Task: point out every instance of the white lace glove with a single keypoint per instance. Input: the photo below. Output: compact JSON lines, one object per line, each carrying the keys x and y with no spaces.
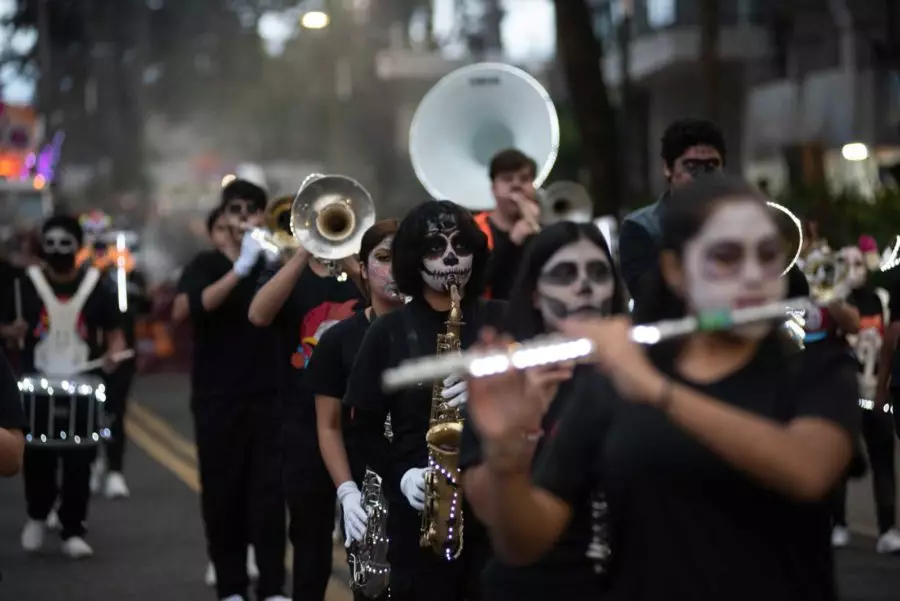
{"x":455,"y":392}
{"x":412,"y":485}
{"x":355,"y":518}
{"x":246,"y":261}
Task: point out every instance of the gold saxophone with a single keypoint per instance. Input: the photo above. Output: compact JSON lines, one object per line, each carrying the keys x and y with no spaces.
{"x":442,"y":518}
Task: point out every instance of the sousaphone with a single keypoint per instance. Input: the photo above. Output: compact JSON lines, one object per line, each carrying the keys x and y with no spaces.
{"x":469,"y":116}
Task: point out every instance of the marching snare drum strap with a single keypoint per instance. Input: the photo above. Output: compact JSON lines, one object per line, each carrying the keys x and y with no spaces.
{"x":63,"y":312}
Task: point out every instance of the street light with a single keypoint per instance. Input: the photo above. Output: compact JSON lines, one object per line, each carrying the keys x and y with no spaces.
{"x":315,"y":19}
{"x":855,"y":151}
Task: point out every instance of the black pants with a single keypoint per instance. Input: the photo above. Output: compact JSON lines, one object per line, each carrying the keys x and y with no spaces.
{"x":42,"y":488}
{"x":242,"y":499}
{"x":118,"y":388}
{"x":878,"y":436}
{"x":311,"y":500}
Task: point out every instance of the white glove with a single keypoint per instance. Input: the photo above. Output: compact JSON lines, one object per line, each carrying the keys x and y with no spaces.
{"x":412,"y":485}
{"x":355,"y":518}
{"x":455,"y":392}
{"x":246,"y":261}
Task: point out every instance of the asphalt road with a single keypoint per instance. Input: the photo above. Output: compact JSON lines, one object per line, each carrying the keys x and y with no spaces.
{"x":151,"y":546}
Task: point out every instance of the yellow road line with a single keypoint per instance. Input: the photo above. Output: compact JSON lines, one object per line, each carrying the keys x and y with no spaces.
{"x":141,"y":426}
{"x":157,"y":425}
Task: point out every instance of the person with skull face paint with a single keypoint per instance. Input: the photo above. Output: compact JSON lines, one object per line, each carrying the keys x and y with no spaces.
{"x":567,"y":270}
{"x":330,"y":368}
{"x":234,"y":401}
{"x":877,"y":425}
{"x":92,"y":315}
{"x":718,"y":450}
{"x":438,"y":243}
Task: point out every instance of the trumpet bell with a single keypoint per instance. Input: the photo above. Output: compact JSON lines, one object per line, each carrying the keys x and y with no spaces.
{"x":329,"y":216}
{"x":469,"y":116}
{"x":565,"y":201}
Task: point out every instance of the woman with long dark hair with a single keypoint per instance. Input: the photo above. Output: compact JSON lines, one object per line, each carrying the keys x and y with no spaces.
{"x":567,"y":271}
{"x":723,"y":448}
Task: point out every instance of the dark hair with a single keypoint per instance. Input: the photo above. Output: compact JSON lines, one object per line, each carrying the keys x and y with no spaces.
{"x":686,"y":133}
{"x":408,"y":248}
{"x":682,"y":216}
{"x":523,"y":320}
{"x":374,"y":236}
{"x":66,"y":222}
{"x":212,"y":218}
{"x":242,"y":189}
{"x":509,"y":160}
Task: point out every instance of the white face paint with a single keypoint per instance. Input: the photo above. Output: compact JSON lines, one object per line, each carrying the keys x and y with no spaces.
{"x":853,"y":264}
{"x":378,"y":271}
{"x":448,"y":259}
{"x":60,"y":242}
{"x":735,"y":261}
{"x":576,"y":280}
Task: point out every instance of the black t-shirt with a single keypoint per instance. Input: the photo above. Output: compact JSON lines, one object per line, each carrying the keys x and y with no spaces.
{"x":638,"y":258}
{"x":314,"y":305}
{"x":328,"y":372}
{"x":99,"y":315}
{"x":504,"y":263}
{"x":138,"y":303}
{"x":12,"y":416}
{"x":566,"y":571}
{"x":687,"y":525}
{"x":410,"y":331}
{"x":232,"y":357}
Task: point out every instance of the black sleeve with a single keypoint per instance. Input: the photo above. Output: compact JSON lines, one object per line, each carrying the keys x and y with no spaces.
{"x":503,"y":265}
{"x":12,"y":416}
{"x":828,"y":388}
{"x":569,"y":465}
{"x":199,"y":275}
{"x":894,"y":305}
{"x":638,"y":256}
{"x":325,"y":374}
{"x":469,"y":447}
{"x":109,"y":317}
{"x":293,"y":304}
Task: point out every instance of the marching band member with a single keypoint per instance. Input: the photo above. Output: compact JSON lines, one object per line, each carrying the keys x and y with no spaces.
{"x":301,"y":301}
{"x":13,"y":424}
{"x":567,"y":271}
{"x":221,"y":237}
{"x":512,"y":221}
{"x":689,"y":147}
{"x":330,"y":368}
{"x":437,"y":243}
{"x":877,"y":424}
{"x":85,"y":325}
{"x":720,"y":449}
{"x":234,"y":402}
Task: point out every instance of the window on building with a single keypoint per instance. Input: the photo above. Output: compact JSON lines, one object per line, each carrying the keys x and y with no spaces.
{"x":660,"y":13}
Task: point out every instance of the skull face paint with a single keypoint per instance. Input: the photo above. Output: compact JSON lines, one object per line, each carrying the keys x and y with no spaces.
{"x":447,"y":259}
{"x":576,"y":280}
{"x":735,"y":261}
{"x":854,"y":266}
{"x":378,"y":271}
{"x":60,"y":247}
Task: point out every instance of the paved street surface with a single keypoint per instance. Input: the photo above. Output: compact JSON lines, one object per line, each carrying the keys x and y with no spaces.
{"x":151,"y":547}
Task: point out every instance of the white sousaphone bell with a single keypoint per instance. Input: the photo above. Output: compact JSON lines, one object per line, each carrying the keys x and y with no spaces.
{"x":469,"y":116}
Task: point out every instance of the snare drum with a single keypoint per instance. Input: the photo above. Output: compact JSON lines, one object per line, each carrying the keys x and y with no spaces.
{"x":64,"y":412}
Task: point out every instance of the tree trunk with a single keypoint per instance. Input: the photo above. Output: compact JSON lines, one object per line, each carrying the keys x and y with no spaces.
{"x":709,"y":58}
{"x":581,"y":54}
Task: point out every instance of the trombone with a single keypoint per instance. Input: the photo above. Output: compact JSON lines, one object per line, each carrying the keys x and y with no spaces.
{"x":327,"y":217}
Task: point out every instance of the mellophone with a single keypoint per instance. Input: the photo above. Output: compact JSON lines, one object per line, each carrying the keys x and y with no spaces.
{"x":67,"y":411}
{"x":551,"y":349}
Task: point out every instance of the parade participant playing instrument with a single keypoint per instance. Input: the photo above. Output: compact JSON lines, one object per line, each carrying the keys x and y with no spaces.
{"x":71,"y":320}
{"x":235,"y":407}
{"x":327,"y":376}
{"x":567,"y":271}
{"x":222,"y":240}
{"x":721,"y":447}
{"x":513,"y":220}
{"x":438,"y":249}
{"x":301,"y":299}
{"x":689,"y":147}
{"x":877,"y":423}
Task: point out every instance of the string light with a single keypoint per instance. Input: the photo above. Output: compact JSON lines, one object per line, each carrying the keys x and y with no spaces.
{"x":76,"y":401}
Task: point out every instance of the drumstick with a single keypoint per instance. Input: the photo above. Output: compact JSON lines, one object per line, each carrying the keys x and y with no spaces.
{"x":96,"y":363}
{"x":17,"y":291}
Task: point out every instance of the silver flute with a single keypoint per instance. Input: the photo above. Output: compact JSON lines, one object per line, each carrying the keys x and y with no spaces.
{"x":555,"y":348}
